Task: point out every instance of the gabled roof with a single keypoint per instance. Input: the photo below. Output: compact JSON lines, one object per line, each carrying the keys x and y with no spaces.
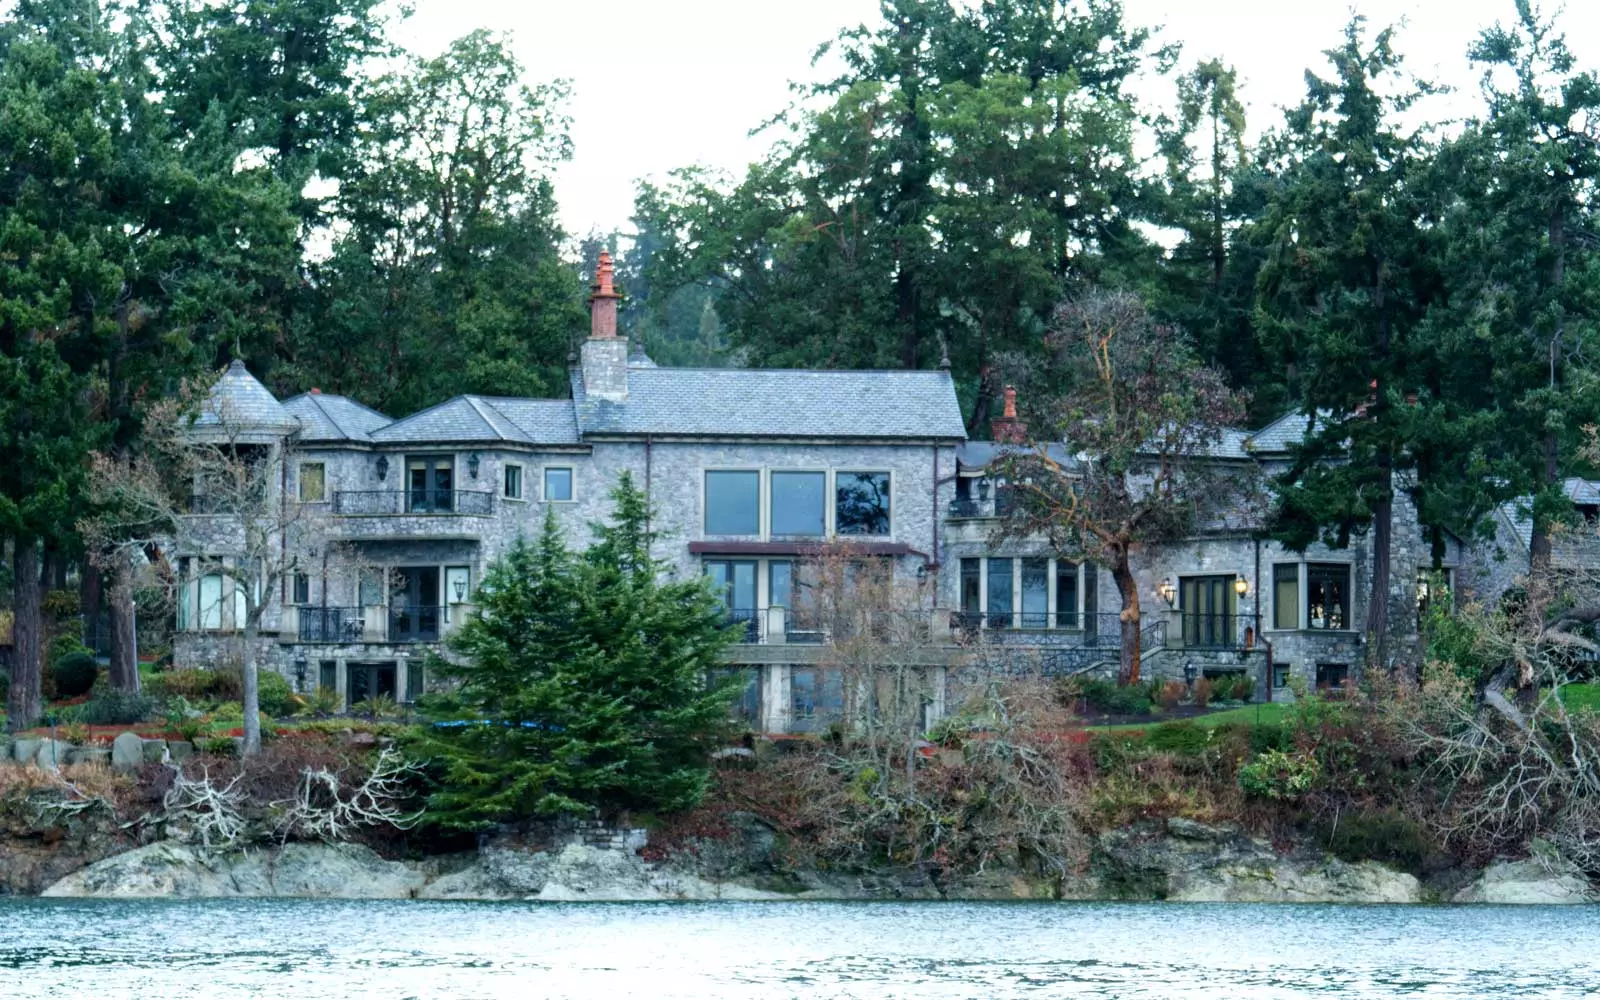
{"x":242,"y":403}
{"x":326,"y":417}
{"x":485,"y":419}
{"x":782,"y":403}
{"x":1570,"y":547}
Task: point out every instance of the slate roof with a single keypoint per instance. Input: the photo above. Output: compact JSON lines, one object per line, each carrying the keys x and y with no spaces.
{"x":243,"y":402}
{"x":1572,"y":546}
{"x":326,"y":417}
{"x":982,"y":454}
{"x":756,"y":402}
{"x":1282,"y":435}
{"x":486,"y":419}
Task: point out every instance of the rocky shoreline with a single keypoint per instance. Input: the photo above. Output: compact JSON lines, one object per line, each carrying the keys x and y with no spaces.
{"x":1179,"y":861}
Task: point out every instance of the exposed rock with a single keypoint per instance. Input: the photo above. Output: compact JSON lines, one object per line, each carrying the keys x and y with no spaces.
{"x":1537,"y":881}
{"x":168,"y":868}
{"x":89,"y":755}
{"x":180,"y":750}
{"x":24,"y":748}
{"x":153,"y":751}
{"x":127,"y":752}
{"x":1191,"y":862}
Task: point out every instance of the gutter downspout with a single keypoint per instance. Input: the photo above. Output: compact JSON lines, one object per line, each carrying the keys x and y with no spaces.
{"x":647,"y":498}
{"x":936,"y":560}
{"x":1259,"y":636}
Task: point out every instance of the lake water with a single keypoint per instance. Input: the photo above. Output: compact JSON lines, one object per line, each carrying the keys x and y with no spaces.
{"x":309,"y":950}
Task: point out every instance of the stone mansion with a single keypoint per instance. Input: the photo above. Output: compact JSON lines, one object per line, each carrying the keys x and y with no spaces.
{"x":750,"y":472}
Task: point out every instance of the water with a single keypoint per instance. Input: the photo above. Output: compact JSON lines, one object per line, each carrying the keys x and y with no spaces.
{"x":310,"y":950}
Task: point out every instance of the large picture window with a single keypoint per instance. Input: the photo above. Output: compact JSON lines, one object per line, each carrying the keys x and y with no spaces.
{"x":1035,"y":593}
{"x":733,"y":503}
{"x":1328,"y":595}
{"x":798,"y":504}
{"x":861,"y":503}
{"x":1000,"y":593}
{"x":1286,"y":596}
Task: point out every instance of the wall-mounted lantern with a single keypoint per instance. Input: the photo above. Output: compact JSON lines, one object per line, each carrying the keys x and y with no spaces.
{"x":472,"y":465}
{"x":383,"y":467}
{"x":1240,"y":586}
{"x":300,"y":673}
{"x":1167,"y":591}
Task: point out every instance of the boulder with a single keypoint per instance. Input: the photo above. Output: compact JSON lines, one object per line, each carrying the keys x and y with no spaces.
{"x":1537,"y":881}
{"x":166,"y":869}
{"x":127,"y":752}
{"x":90,"y":755}
{"x":153,"y":751}
{"x":24,"y":748}
{"x":53,"y":754}
{"x":180,"y":750}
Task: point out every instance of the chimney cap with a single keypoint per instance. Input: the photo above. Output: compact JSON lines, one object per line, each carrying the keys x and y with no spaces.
{"x":604,"y":273}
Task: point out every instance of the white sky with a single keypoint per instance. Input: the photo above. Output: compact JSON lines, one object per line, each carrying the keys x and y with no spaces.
{"x":659,"y":84}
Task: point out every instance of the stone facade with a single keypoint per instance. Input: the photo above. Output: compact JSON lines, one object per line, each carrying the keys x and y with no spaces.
{"x":399,"y":520}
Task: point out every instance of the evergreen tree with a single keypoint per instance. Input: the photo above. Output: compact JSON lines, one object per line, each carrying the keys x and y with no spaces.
{"x":1342,"y":292}
{"x":585,"y":682}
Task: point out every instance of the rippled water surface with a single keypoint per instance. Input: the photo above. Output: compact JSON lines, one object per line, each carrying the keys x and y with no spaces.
{"x":309,"y":950}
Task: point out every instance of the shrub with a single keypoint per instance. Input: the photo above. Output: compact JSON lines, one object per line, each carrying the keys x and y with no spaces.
{"x":75,"y":674}
{"x":1113,"y":699}
{"x":5,"y":686}
{"x":221,"y":746}
{"x":1277,"y":775}
{"x":379,"y":706}
{"x":194,"y":685}
{"x":274,"y":695}
{"x":1203,"y":691}
{"x":1380,"y":835}
{"x":228,"y":711}
{"x":323,"y":701}
{"x":1182,"y":738}
{"x":190,"y":729}
{"x":1171,"y":693}
{"x":116,"y":708}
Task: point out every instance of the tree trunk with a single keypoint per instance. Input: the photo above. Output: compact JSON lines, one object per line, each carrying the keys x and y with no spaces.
{"x":1128,"y":588}
{"x":1378,"y":595}
{"x":252,"y":689}
{"x":124,"y":642}
{"x":27,"y":653}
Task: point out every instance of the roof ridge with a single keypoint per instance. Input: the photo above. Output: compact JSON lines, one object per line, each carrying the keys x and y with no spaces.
{"x":316,"y":400}
{"x":493,"y":417}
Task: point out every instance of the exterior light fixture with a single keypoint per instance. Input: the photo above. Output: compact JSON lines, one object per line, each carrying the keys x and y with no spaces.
{"x":1167,"y":590}
{"x":1188,"y":674}
{"x":1240,"y":587}
{"x":983,"y":488}
{"x":461,"y":590}
{"x":472,"y":465}
{"x":383,"y":467}
{"x":922,"y":573}
{"x":300,"y":673}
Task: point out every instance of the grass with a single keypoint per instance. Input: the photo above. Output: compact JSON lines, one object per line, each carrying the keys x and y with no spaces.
{"x":1581,"y":697}
{"x":1266,"y":714}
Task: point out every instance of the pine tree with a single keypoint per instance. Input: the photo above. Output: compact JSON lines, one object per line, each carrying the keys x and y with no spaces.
{"x":584,"y":683}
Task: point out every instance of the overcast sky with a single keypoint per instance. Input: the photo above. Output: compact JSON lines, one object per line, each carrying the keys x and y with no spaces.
{"x":659,"y":84}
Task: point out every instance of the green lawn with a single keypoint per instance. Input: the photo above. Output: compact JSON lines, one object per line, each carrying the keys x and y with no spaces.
{"x":1581,"y":697}
{"x":1266,"y":714}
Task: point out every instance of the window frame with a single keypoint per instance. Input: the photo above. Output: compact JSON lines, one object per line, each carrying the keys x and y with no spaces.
{"x":769,"y":510}
{"x":300,"y":482}
{"x":833,"y":512}
{"x":705,"y":501}
{"x":300,"y":583}
{"x":572,"y":483}
{"x":506,"y":471}
{"x":1348,"y":570}
{"x":1297,"y":608}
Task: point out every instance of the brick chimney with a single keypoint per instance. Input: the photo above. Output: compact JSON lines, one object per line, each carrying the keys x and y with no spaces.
{"x":1006,"y":428}
{"x":605,"y":355}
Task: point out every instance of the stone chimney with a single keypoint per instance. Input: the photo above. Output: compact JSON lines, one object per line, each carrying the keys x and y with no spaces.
{"x":605,"y":355}
{"x":1006,"y":428}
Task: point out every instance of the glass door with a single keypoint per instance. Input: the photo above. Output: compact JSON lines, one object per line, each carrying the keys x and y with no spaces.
{"x":414,"y":605}
{"x":735,"y":580}
{"x":430,"y":484}
{"x":1207,"y":604}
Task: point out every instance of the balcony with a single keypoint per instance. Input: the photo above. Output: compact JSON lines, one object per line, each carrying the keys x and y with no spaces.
{"x":377,"y":623}
{"x":393,"y":503}
{"x":982,"y":507}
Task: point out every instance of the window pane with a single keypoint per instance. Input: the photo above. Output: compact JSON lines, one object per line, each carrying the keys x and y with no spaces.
{"x":971,"y":585}
{"x":780,"y":584}
{"x":1328,"y":595}
{"x":313,"y":481}
{"x":414,"y":677}
{"x":1066,"y":594}
{"x":369,"y":587}
{"x":514,"y":482}
{"x":1035,"y":593}
{"x":328,"y":674}
{"x":733,"y":503}
{"x":1286,"y":596}
{"x":1000,"y":602}
{"x":302,"y":589}
{"x":211,"y":602}
{"x":861,"y":503}
{"x":797,"y":503}
{"x":558,"y":485}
